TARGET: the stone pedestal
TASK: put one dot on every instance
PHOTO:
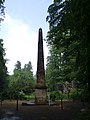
(41, 96)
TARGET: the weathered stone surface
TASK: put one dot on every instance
(41, 88)
(40, 61)
(41, 96)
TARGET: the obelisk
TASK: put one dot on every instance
(40, 89)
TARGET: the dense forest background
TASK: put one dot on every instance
(69, 44)
(68, 64)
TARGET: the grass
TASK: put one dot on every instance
(30, 97)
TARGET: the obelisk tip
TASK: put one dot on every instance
(40, 29)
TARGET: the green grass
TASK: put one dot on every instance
(30, 97)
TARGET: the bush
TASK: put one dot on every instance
(56, 95)
(74, 94)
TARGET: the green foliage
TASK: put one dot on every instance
(2, 1)
(18, 65)
(29, 97)
(69, 42)
(21, 81)
(56, 95)
(3, 68)
(84, 94)
(2, 14)
(73, 94)
(59, 95)
(3, 71)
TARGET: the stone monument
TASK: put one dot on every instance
(40, 88)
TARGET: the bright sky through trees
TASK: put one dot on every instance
(20, 30)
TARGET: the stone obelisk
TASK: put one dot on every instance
(40, 89)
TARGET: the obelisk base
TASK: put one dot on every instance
(41, 95)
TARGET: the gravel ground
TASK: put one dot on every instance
(39, 112)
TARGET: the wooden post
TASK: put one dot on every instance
(17, 102)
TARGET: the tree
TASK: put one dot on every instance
(3, 68)
(53, 71)
(3, 71)
(69, 23)
(27, 71)
(27, 77)
(2, 14)
(21, 80)
(18, 65)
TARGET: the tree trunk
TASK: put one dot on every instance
(61, 104)
(88, 60)
(17, 103)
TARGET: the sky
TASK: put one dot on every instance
(19, 30)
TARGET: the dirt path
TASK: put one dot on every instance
(43, 112)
